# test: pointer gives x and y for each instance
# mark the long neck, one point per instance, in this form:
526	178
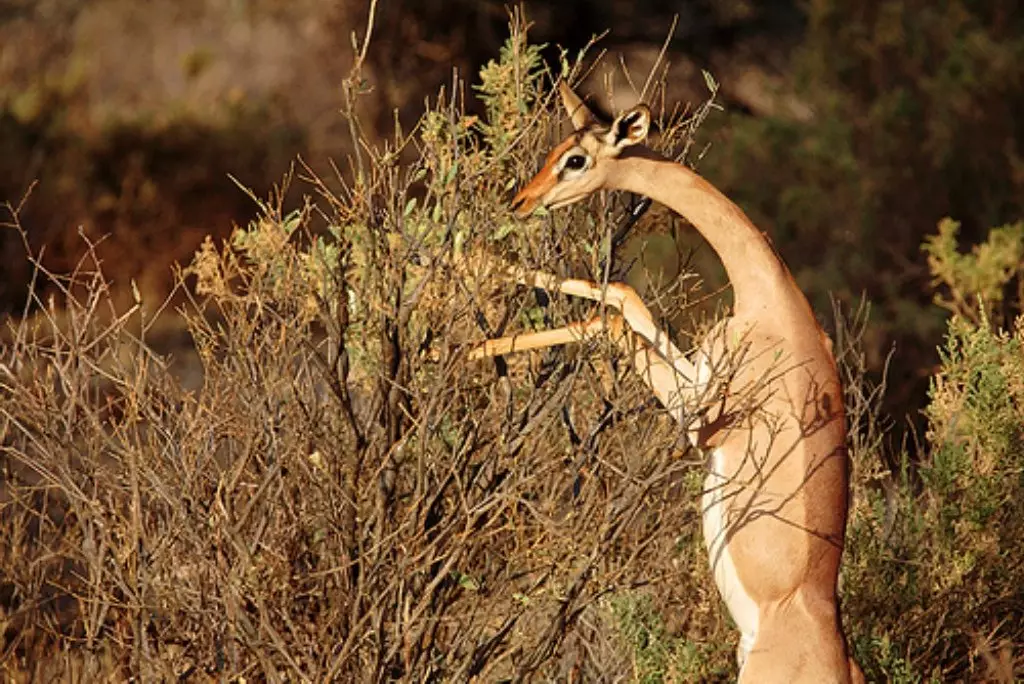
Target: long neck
760	281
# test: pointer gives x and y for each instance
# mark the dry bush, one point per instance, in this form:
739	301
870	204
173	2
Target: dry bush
346	497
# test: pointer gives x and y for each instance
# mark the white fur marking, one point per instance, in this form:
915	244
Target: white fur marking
741	606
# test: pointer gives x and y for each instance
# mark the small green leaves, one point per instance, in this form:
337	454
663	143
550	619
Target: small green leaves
710	81
508	88
533	316
503	230
449	177
975	280
466	581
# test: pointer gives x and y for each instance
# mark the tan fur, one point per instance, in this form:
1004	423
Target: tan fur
777	495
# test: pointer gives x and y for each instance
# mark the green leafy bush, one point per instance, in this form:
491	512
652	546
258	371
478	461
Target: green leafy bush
976	282
933	577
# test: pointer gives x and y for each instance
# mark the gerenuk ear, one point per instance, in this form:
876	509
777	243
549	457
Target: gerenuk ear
630	127
580	114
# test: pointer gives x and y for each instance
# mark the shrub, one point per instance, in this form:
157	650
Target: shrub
343	496
933	579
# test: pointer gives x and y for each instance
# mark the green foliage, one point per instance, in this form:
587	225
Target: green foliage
976	281
882	653
976	419
933	579
658	656
642	628
509	87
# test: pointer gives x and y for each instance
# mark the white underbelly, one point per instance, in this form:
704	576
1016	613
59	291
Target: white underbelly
742	608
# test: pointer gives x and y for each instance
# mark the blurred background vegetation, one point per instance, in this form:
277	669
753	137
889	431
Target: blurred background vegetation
849	131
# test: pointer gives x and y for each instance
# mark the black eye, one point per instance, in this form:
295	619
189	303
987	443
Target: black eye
576	162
